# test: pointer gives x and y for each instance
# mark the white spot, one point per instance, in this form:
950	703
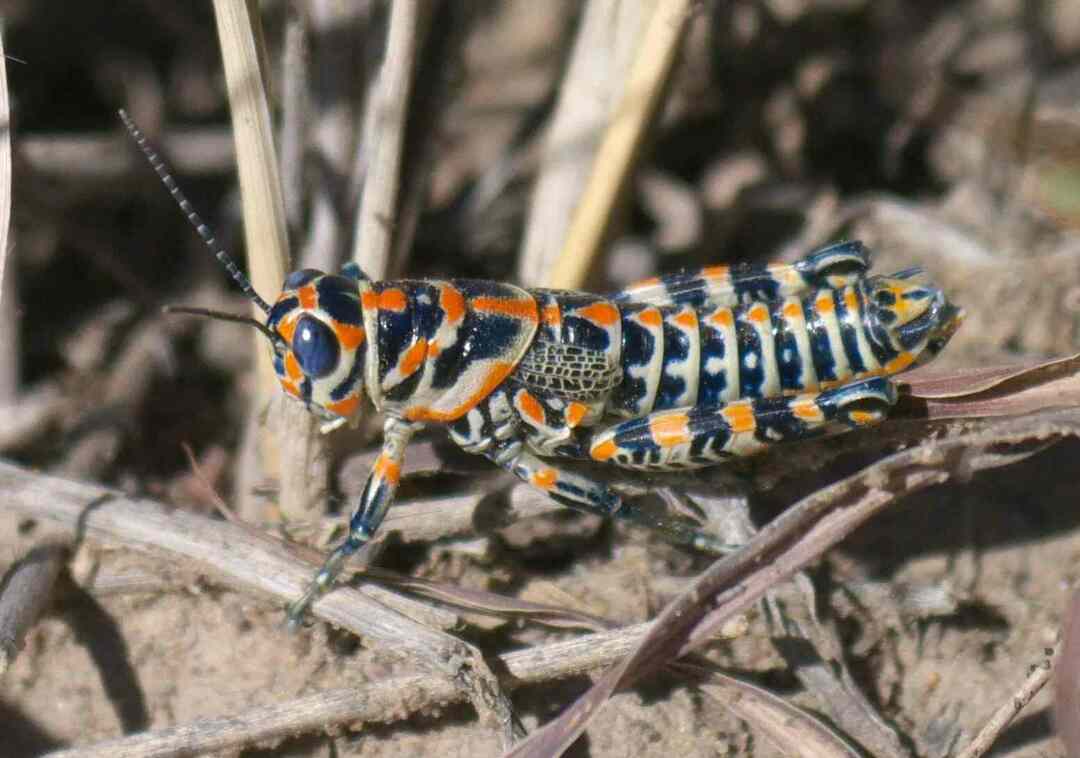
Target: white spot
714	366
305	334
423	299
773	434
750	361
785	356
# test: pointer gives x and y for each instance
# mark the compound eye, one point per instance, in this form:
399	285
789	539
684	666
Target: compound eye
315	347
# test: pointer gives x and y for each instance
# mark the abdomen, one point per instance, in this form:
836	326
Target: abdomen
682	356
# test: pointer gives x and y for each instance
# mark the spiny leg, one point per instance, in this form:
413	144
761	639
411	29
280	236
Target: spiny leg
374	501
704	435
583	493
832	266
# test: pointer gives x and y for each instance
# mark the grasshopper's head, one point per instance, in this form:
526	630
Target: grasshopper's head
909	320
315	328
319	347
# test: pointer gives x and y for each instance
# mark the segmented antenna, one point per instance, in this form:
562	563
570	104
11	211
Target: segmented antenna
192	216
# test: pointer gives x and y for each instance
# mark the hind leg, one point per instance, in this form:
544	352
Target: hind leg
703	436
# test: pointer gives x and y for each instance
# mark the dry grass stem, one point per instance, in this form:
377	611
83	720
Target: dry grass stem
1037	677
297	456
638	105
607	35
387	701
378	206
249	559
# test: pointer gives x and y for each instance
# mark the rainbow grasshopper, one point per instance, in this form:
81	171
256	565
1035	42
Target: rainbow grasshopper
678	372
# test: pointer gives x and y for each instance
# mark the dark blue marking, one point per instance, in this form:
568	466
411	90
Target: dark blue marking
753	282
638	346
305	390
789	360
298	279
711	386
676	350
352	270
315	346
481	336
339	297
354	377
820	350
579	331
280	310
707	429
751	380
848	258
849	338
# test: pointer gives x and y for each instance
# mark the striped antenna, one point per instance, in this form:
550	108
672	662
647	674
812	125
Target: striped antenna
192	216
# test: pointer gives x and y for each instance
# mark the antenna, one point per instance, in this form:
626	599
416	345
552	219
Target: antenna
192	216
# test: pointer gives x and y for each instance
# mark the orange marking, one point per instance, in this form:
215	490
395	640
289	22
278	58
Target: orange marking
413	357
864	418
551	315
670	430
792	310
433	349
824	304
453	304
740	417
308	296
759	314
350	337
650	317
686	319
345	407
602	314
575	412
387	469
850	301
292	367
899	363
722	317
715	272
604	451
290	387
287	328
519	308
807	410
499	371
369	301
530	407
545	478
392	300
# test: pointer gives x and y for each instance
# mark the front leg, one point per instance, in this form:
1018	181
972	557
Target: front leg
374	501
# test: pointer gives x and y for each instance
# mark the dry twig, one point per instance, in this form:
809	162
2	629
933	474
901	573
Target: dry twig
26	591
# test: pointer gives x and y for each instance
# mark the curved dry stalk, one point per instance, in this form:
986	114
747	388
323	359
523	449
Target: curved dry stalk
245	558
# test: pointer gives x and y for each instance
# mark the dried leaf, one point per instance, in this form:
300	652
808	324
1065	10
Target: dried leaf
995	391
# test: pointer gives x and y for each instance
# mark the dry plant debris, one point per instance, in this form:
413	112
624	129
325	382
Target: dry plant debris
901	591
